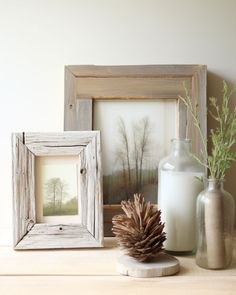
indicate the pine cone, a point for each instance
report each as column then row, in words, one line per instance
column 140, row 231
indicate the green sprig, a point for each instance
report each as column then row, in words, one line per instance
column 222, row 137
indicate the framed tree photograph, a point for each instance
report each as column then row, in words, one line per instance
column 57, row 190
column 138, row 111
column 133, row 143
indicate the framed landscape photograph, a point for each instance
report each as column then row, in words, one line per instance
column 133, row 144
column 138, row 111
column 57, row 190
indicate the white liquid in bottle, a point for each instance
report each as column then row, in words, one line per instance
column 177, row 197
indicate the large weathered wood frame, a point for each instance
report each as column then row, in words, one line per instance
column 85, row 84
column 28, row 234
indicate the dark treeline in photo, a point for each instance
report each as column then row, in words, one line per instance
column 57, row 200
column 134, row 169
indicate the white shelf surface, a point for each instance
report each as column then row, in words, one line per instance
column 93, row 271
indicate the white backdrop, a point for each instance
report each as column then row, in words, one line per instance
column 37, row 38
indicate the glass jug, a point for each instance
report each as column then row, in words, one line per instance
column 180, row 180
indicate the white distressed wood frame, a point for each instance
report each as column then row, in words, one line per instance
column 31, row 235
column 85, row 84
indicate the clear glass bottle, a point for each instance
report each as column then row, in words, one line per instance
column 215, row 224
column 179, row 183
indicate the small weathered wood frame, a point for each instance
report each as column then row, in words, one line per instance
column 86, row 83
column 28, row 234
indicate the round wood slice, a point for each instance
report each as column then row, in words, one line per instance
column 162, row 265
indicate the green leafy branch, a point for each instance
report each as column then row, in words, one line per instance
column 222, row 137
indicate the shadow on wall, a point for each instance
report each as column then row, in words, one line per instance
column 214, row 88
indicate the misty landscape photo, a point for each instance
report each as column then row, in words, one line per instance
column 60, row 195
column 136, row 170
column 133, row 143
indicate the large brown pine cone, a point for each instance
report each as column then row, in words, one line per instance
column 140, row 231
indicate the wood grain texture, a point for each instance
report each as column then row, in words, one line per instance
column 140, row 82
column 108, row 212
column 133, row 70
column 70, row 94
column 89, row 262
column 199, row 82
column 104, row 285
column 93, row 271
column 59, row 236
column 130, row 88
column 163, row 265
column 23, row 162
column 58, row 144
column 83, row 113
column 28, row 234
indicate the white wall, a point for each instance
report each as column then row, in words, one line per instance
column 37, row 38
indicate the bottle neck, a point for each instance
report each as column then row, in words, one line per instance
column 215, row 184
column 181, row 147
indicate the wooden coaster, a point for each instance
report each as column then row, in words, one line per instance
column 162, row 265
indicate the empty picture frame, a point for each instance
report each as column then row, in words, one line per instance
column 71, row 190
column 89, row 87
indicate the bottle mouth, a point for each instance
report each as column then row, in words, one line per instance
column 215, row 180
column 181, row 145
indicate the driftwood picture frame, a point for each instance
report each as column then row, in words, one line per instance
column 87, row 231
column 87, row 85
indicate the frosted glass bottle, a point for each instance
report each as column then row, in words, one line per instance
column 215, row 226
column 179, row 183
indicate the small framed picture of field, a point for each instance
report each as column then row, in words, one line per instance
column 57, row 190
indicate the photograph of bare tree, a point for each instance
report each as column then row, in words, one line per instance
column 135, row 136
column 60, row 190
